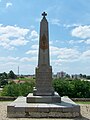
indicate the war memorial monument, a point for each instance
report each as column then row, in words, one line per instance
column 44, row 102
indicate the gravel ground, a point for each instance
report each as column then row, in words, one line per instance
column 85, row 112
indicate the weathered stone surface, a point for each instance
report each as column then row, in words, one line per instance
column 44, row 70
column 44, row 81
column 43, row 99
column 19, row 108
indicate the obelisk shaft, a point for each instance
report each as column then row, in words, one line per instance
column 44, row 70
column 43, row 57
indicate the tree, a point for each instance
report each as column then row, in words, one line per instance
column 20, row 89
column 88, row 77
column 81, row 75
column 84, row 76
column 67, row 76
column 3, row 79
column 12, row 75
column 73, row 88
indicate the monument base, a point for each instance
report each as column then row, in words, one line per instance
column 43, row 81
column 43, row 99
column 64, row 109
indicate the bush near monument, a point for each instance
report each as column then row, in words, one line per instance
column 71, row 88
column 20, row 89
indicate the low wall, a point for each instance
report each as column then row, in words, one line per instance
column 81, row 99
column 6, row 98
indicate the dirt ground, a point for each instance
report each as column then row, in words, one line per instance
column 85, row 112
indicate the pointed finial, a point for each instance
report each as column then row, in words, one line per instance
column 44, row 14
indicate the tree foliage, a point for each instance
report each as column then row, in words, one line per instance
column 11, row 75
column 72, row 88
column 20, row 89
column 4, row 77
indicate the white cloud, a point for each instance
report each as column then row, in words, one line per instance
column 11, row 63
column 68, row 54
column 79, row 41
column 54, row 50
column 59, row 57
column 34, row 35
column 9, row 59
column 32, row 52
column 18, row 42
column 26, row 59
column 50, row 42
column 64, row 54
column 81, row 31
column 9, row 4
column 14, row 30
column 35, row 47
column 86, row 54
column 87, row 41
column 71, row 25
column 61, row 54
column 55, row 22
column 11, row 36
column 17, row 60
column 76, row 41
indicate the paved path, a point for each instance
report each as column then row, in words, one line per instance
column 85, row 111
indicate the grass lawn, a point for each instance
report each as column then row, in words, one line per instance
column 81, row 102
column 25, row 79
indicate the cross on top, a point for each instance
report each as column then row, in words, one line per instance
column 44, row 14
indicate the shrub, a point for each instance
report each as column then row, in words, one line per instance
column 73, row 89
column 11, row 90
column 20, row 89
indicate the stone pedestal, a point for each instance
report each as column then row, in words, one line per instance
column 43, row 81
column 43, row 99
column 64, row 109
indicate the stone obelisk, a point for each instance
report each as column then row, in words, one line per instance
column 43, row 102
column 44, row 70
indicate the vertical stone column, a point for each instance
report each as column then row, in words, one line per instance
column 44, row 70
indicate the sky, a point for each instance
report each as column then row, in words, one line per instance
column 69, row 35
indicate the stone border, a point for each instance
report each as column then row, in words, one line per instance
column 66, row 109
column 81, row 99
column 6, row 98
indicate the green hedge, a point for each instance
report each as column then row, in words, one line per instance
column 71, row 88
column 20, row 89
